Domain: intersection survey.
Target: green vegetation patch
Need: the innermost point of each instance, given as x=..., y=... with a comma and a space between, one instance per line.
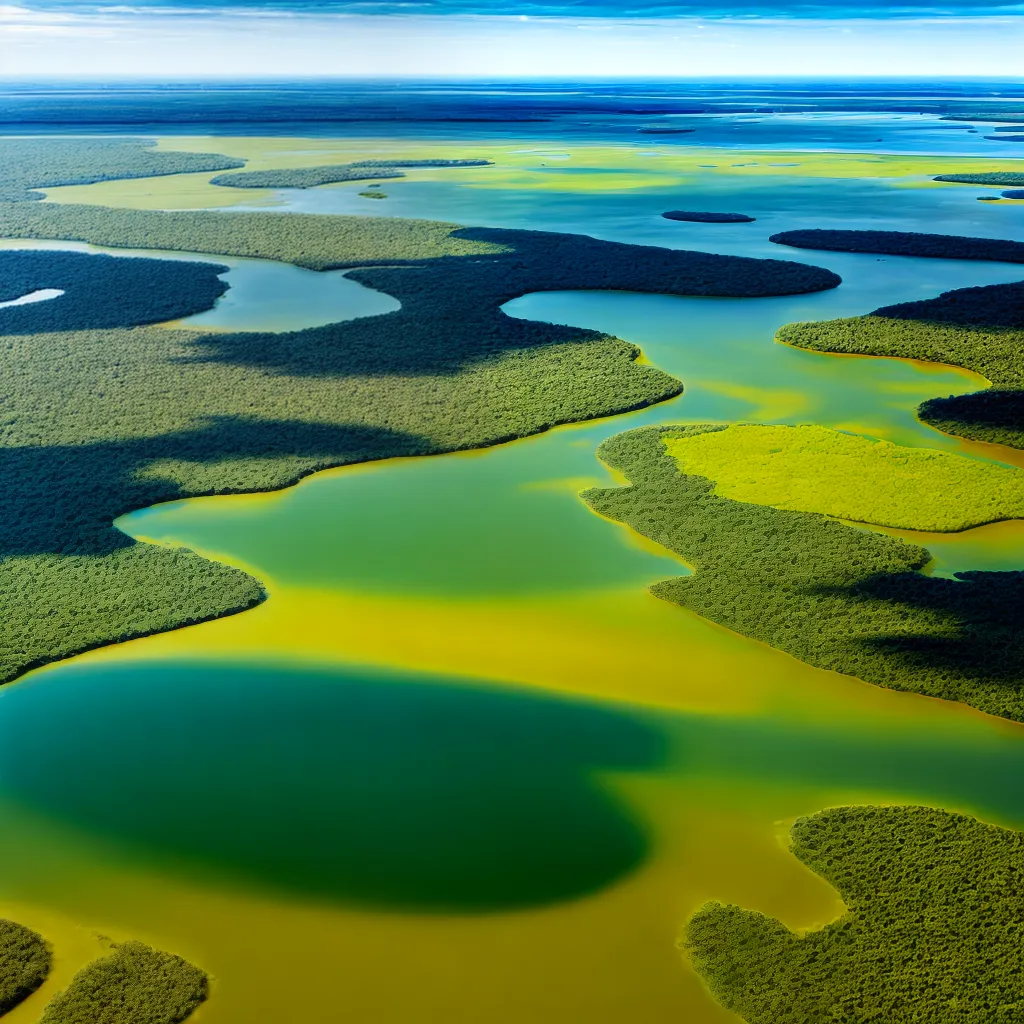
x=814, y=469
x=707, y=217
x=933, y=932
x=102, y=291
x=40, y=163
x=134, y=985
x=330, y=174
x=24, y=963
x=985, y=178
x=834, y=596
x=99, y=422
x=980, y=329
x=908, y=243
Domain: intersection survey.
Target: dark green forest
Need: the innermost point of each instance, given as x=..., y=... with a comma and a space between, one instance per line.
x=24, y=963
x=135, y=984
x=980, y=329
x=933, y=932
x=834, y=596
x=986, y=178
x=28, y=164
x=907, y=243
x=102, y=291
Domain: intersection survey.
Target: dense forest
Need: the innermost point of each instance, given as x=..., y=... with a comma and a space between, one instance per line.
x=832, y=595
x=101, y=422
x=985, y=178
x=980, y=329
x=25, y=962
x=102, y=291
x=135, y=984
x=905, y=243
x=28, y=164
x=933, y=929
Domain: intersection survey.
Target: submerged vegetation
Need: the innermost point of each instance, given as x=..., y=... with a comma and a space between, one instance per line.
x=932, y=932
x=1013, y=193
x=97, y=423
x=28, y=164
x=102, y=291
x=906, y=243
x=330, y=174
x=980, y=329
x=834, y=596
x=814, y=469
x=24, y=963
x=707, y=217
x=134, y=985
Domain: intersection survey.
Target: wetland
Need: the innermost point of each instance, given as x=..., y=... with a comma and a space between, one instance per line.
x=459, y=723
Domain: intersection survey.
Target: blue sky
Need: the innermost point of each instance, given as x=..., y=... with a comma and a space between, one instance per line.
x=498, y=38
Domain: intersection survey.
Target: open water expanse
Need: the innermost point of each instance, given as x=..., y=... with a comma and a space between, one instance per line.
x=461, y=766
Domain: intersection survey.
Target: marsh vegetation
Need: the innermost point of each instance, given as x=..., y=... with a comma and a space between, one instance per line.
x=135, y=984
x=837, y=597
x=30, y=164
x=932, y=931
x=331, y=174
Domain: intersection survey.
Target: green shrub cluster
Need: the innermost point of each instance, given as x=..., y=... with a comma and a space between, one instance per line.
x=907, y=243
x=330, y=174
x=980, y=329
x=27, y=164
x=134, y=985
x=102, y=291
x=24, y=963
x=985, y=178
x=831, y=595
x=933, y=931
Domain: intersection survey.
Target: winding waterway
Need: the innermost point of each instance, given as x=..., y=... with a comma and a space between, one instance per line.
x=461, y=766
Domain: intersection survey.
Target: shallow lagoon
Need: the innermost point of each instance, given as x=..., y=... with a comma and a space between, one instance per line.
x=457, y=656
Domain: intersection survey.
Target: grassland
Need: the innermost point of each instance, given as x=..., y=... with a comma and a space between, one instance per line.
x=24, y=964
x=98, y=422
x=519, y=165
x=831, y=595
x=27, y=165
x=905, y=243
x=814, y=469
x=134, y=985
x=932, y=933
x=102, y=291
x=980, y=329
x=330, y=174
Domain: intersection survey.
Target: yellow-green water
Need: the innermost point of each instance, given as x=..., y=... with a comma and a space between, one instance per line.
x=460, y=766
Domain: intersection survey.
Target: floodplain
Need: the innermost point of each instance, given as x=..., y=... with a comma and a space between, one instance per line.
x=461, y=764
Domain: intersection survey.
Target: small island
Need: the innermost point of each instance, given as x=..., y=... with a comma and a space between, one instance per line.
x=984, y=178
x=1013, y=193
x=333, y=174
x=904, y=243
x=707, y=217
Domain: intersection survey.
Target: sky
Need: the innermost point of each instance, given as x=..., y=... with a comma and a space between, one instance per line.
x=511, y=38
